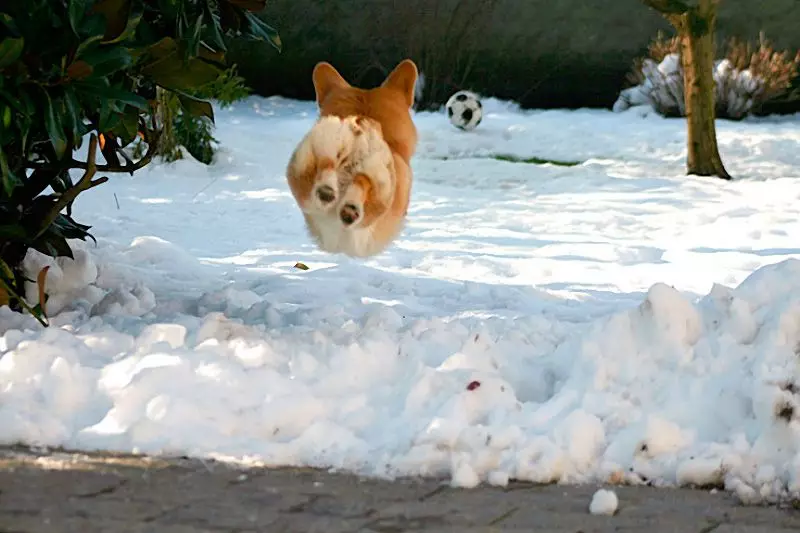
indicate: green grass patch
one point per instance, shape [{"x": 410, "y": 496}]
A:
[
  {"x": 534, "y": 160},
  {"x": 514, "y": 159}
]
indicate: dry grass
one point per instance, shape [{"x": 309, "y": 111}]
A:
[
  {"x": 657, "y": 50},
  {"x": 777, "y": 69}
]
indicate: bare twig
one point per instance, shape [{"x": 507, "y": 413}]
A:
[{"x": 85, "y": 183}]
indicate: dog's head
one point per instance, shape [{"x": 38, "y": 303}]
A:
[{"x": 389, "y": 104}]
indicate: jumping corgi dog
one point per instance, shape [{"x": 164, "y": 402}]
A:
[{"x": 351, "y": 173}]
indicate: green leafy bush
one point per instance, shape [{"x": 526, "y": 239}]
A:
[
  {"x": 191, "y": 132},
  {"x": 72, "y": 68}
]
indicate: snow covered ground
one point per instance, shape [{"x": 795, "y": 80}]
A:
[{"x": 612, "y": 321}]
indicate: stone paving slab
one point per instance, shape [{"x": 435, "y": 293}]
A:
[{"x": 65, "y": 492}]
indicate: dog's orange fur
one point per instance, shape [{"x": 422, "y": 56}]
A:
[{"x": 382, "y": 113}]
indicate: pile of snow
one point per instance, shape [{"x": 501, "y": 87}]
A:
[
  {"x": 737, "y": 91},
  {"x": 609, "y": 322},
  {"x": 79, "y": 282}
]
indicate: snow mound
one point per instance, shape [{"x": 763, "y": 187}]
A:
[
  {"x": 668, "y": 393},
  {"x": 610, "y": 322},
  {"x": 135, "y": 301},
  {"x": 69, "y": 281}
]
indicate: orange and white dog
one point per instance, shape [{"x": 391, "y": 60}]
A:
[{"x": 351, "y": 173}]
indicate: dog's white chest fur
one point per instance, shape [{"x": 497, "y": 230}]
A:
[{"x": 333, "y": 237}]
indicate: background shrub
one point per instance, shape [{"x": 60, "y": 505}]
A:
[
  {"x": 540, "y": 53},
  {"x": 184, "y": 131},
  {"x": 70, "y": 68},
  {"x": 748, "y": 78}
]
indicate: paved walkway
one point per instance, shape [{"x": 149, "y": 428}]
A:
[{"x": 59, "y": 492}]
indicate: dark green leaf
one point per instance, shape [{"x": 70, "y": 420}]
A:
[
  {"x": 62, "y": 182},
  {"x": 107, "y": 60},
  {"x": 8, "y": 22},
  {"x": 38, "y": 181},
  {"x": 128, "y": 127},
  {"x": 77, "y": 12},
  {"x": 229, "y": 18},
  {"x": 109, "y": 117},
  {"x": 6, "y": 133},
  {"x": 116, "y": 13},
  {"x": 128, "y": 32},
  {"x": 169, "y": 8},
  {"x": 70, "y": 229},
  {"x": 172, "y": 72},
  {"x": 10, "y": 50},
  {"x": 248, "y": 5},
  {"x": 214, "y": 32},
  {"x": 12, "y": 101},
  {"x": 193, "y": 39},
  {"x": 195, "y": 106},
  {"x": 53, "y": 245},
  {"x": 29, "y": 107},
  {"x": 87, "y": 43},
  {"x": 93, "y": 25},
  {"x": 162, "y": 48},
  {"x": 216, "y": 58},
  {"x": 10, "y": 181},
  {"x": 261, "y": 31},
  {"x": 55, "y": 128},
  {"x": 101, "y": 89},
  {"x": 73, "y": 114},
  {"x": 13, "y": 232}
]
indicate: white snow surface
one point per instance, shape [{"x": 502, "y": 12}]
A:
[
  {"x": 604, "y": 502},
  {"x": 615, "y": 320}
]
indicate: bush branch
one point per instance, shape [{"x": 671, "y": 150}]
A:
[
  {"x": 129, "y": 168},
  {"x": 25, "y": 305},
  {"x": 668, "y": 7},
  {"x": 84, "y": 184}
]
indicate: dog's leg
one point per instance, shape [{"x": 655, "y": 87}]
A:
[
  {"x": 367, "y": 198},
  {"x": 326, "y": 186},
  {"x": 371, "y": 190},
  {"x": 315, "y": 168},
  {"x": 314, "y": 185},
  {"x": 301, "y": 172},
  {"x": 352, "y": 207}
]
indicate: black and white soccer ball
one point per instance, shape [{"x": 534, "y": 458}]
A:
[{"x": 464, "y": 110}]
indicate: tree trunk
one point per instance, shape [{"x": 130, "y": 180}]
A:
[
  {"x": 696, "y": 31},
  {"x": 695, "y": 26}
]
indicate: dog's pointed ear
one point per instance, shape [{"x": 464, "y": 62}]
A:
[
  {"x": 403, "y": 78},
  {"x": 326, "y": 78}
]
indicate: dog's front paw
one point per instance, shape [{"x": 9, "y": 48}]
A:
[
  {"x": 349, "y": 214},
  {"x": 358, "y": 205},
  {"x": 351, "y": 205},
  {"x": 325, "y": 194},
  {"x": 325, "y": 191}
]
